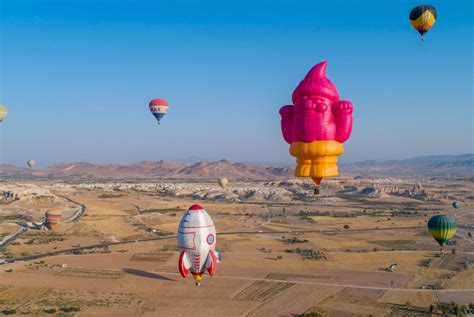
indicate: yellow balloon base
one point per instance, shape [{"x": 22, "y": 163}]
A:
[
  {"x": 197, "y": 276},
  {"x": 317, "y": 159}
]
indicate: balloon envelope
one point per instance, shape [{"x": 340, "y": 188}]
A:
[
  {"x": 158, "y": 107},
  {"x": 455, "y": 205},
  {"x": 31, "y": 163},
  {"x": 53, "y": 217},
  {"x": 3, "y": 112},
  {"x": 223, "y": 182},
  {"x": 316, "y": 125},
  {"x": 442, "y": 228},
  {"x": 197, "y": 244},
  {"x": 422, "y": 18}
]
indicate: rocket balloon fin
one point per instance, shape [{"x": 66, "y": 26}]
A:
[
  {"x": 211, "y": 263},
  {"x": 219, "y": 256},
  {"x": 183, "y": 264}
]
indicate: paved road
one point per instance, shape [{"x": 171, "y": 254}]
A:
[
  {"x": 78, "y": 214},
  {"x": 9, "y": 239},
  {"x": 24, "y": 229}
]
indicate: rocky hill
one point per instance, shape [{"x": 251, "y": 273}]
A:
[
  {"x": 150, "y": 170},
  {"x": 454, "y": 167},
  {"x": 459, "y": 167}
]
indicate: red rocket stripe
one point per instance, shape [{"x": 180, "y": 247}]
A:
[
  {"x": 182, "y": 268},
  {"x": 213, "y": 265},
  {"x": 198, "y": 227}
]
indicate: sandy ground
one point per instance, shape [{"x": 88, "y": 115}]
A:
[{"x": 261, "y": 274}]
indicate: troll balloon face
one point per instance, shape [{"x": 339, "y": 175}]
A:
[{"x": 316, "y": 125}]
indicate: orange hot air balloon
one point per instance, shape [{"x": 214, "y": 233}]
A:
[{"x": 53, "y": 218}]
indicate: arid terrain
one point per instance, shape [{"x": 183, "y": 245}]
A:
[{"x": 284, "y": 250}]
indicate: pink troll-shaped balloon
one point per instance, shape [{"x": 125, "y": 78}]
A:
[
  {"x": 318, "y": 113},
  {"x": 316, "y": 125}
]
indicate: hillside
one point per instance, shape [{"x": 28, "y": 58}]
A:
[
  {"x": 459, "y": 167},
  {"x": 435, "y": 166},
  {"x": 149, "y": 170}
]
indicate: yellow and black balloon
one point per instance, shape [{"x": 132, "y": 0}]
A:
[{"x": 422, "y": 18}]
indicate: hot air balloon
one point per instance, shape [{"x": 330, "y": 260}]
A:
[
  {"x": 158, "y": 107},
  {"x": 455, "y": 205},
  {"x": 316, "y": 125},
  {"x": 3, "y": 112},
  {"x": 197, "y": 244},
  {"x": 31, "y": 163},
  {"x": 53, "y": 217},
  {"x": 223, "y": 181},
  {"x": 422, "y": 18},
  {"x": 442, "y": 228}
]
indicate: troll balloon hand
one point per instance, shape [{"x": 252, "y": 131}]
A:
[{"x": 342, "y": 111}]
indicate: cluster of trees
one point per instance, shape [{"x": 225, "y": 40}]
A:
[
  {"x": 405, "y": 213},
  {"x": 452, "y": 309},
  {"x": 334, "y": 214},
  {"x": 308, "y": 254},
  {"x": 292, "y": 240}
]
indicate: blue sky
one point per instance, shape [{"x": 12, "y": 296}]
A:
[{"x": 77, "y": 77}]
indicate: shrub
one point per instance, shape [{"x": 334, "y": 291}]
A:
[
  {"x": 9, "y": 311},
  {"x": 69, "y": 309}
]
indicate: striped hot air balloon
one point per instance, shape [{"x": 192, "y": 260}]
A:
[
  {"x": 3, "y": 112},
  {"x": 53, "y": 218},
  {"x": 422, "y": 18},
  {"x": 158, "y": 107},
  {"x": 442, "y": 228}
]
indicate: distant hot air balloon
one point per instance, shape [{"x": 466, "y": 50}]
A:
[
  {"x": 223, "y": 181},
  {"x": 31, "y": 163},
  {"x": 3, "y": 112},
  {"x": 53, "y": 217},
  {"x": 158, "y": 108},
  {"x": 442, "y": 228},
  {"x": 455, "y": 205},
  {"x": 422, "y": 18}
]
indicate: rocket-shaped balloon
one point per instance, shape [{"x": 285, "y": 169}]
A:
[{"x": 197, "y": 244}]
